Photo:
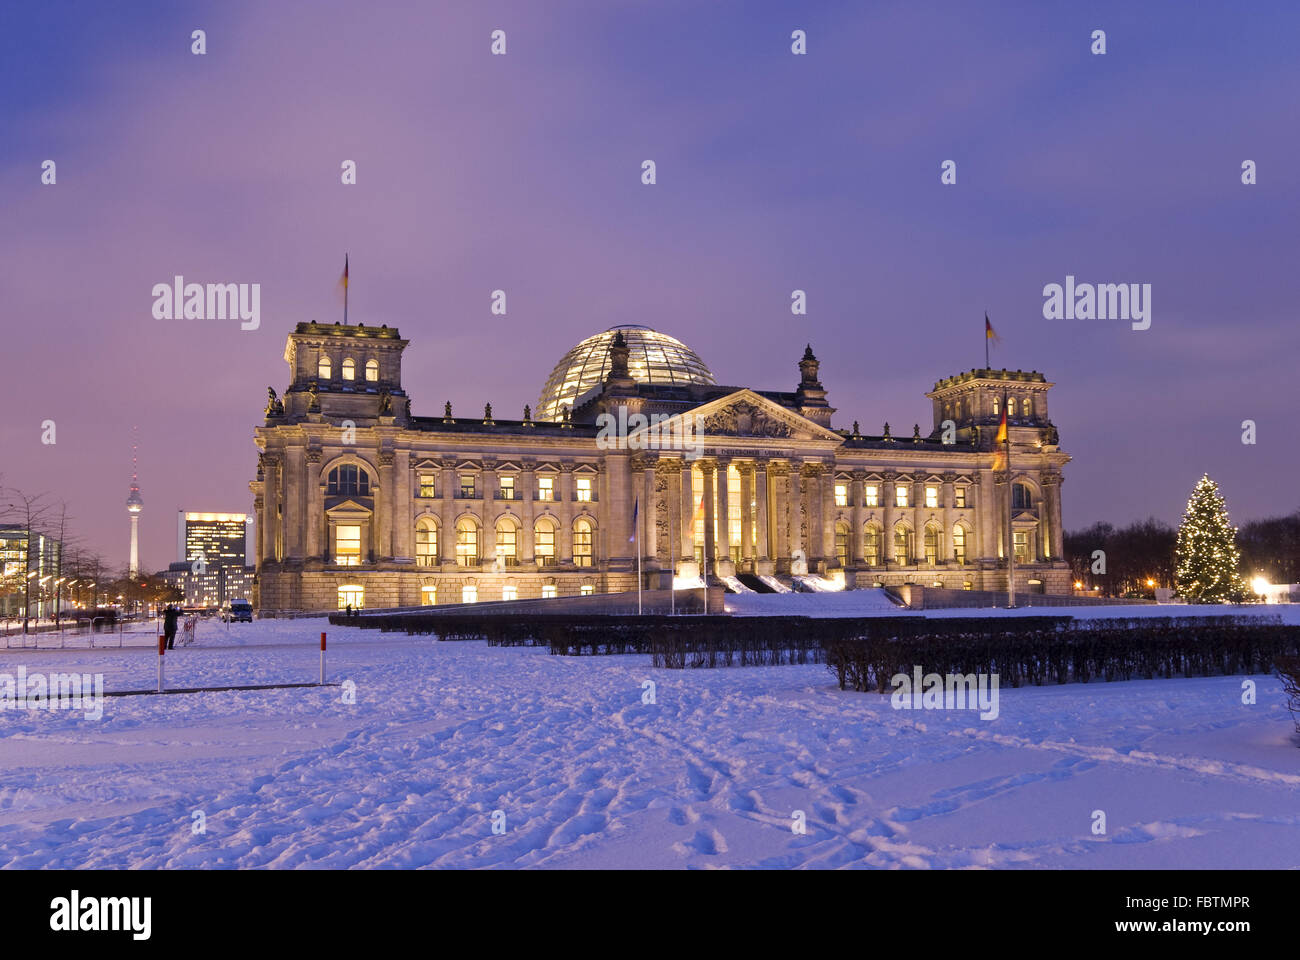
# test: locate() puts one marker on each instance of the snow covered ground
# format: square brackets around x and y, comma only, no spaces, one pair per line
[587,775]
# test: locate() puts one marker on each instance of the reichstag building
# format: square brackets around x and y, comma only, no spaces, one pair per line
[633,447]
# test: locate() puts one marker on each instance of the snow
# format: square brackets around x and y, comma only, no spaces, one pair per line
[775,584]
[587,775]
[734,585]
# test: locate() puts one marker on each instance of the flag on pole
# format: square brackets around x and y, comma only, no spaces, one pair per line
[1000,461]
[636,506]
[343,286]
[989,333]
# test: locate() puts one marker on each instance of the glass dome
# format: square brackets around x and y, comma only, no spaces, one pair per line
[653,357]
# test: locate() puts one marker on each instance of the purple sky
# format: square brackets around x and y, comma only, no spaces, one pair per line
[775,172]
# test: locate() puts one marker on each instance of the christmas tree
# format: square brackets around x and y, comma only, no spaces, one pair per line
[1207,556]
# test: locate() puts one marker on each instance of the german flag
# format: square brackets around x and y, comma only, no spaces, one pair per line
[1000,459]
[989,333]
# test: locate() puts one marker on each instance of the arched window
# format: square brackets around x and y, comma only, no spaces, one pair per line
[349,369]
[426,543]
[997,406]
[323,368]
[583,555]
[1011,407]
[871,546]
[932,545]
[348,480]
[1022,498]
[842,543]
[544,542]
[1028,406]
[902,544]
[372,370]
[508,542]
[959,544]
[466,543]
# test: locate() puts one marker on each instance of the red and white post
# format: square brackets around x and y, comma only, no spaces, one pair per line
[162,649]
[322,658]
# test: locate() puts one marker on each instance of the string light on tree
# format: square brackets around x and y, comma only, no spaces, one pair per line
[1207,556]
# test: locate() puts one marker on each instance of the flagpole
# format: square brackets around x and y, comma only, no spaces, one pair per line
[1011,533]
[986,340]
[637,541]
[345,289]
[672,568]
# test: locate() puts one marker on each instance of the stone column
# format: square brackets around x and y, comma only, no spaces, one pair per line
[618,518]
[746,471]
[293,505]
[779,474]
[487,548]
[724,508]
[565,511]
[673,470]
[710,540]
[315,517]
[527,545]
[918,527]
[447,511]
[760,506]
[946,554]
[385,514]
[887,493]
[258,511]
[686,543]
[647,528]
[402,521]
[857,536]
[826,514]
[271,503]
[1053,482]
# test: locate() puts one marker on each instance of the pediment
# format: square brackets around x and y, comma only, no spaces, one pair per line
[746,414]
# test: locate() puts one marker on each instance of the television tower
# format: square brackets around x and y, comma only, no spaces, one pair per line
[133,506]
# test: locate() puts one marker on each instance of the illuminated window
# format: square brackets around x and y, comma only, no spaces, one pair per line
[584,489]
[931,545]
[469,593]
[352,595]
[1021,541]
[900,495]
[902,545]
[582,548]
[545,488]
[544,543]
[588,589]
[347,545]
[959,496]
[426,543]
[871,546]
[348,480]
[429,595]
[1011,406]
[467,486]
[323,368]
[548,591]
[873,495]
[1022,498]
[931,496]
[466,543]
[507,543]
[372,370]
[997,406]
[842,543]
[1027,406]
[349,369]
[428,485]
[959,544]
[841,495]
[509,592]
[507,487]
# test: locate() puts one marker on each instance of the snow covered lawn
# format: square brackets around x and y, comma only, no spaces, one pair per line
[586,775]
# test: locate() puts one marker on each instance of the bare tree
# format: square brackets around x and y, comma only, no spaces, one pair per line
[29,511]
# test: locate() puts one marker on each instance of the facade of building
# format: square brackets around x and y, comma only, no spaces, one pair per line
[212,565]
[27,555]
[359,501]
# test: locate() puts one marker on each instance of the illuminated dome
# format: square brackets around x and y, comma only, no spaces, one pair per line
[653,357]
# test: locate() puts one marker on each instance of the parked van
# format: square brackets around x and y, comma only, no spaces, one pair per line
[240,610]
